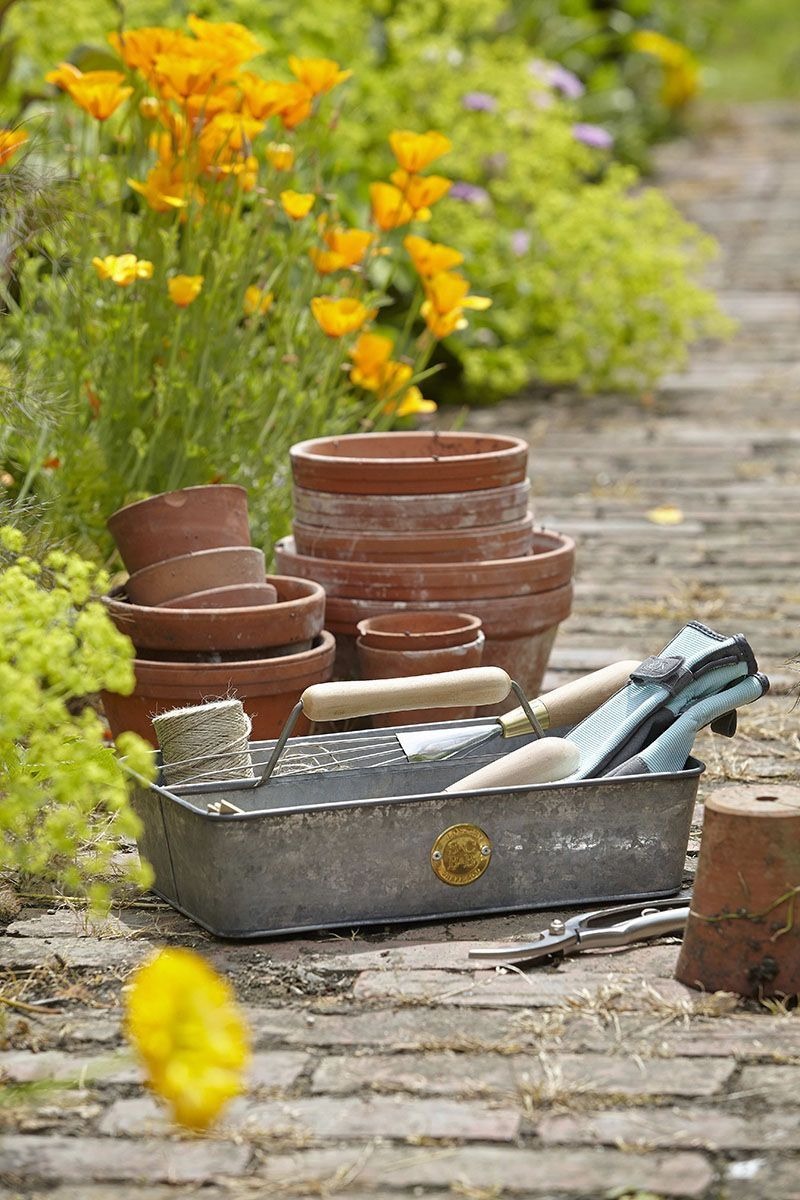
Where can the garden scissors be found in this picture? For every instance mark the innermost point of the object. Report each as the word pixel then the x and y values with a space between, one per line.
pixel 593 931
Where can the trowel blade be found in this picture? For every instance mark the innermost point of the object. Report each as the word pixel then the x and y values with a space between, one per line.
pixel 431 745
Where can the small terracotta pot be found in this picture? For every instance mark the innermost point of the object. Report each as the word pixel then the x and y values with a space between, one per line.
pixel 195 572
pixel 239 595
pixel 390 664
pixel 173 523
pixel 743 931
pixel 409 514
pixel 455 545
pixel 297 617
pixel 408 463
pixel 268 689
pixel 418 630
pixel 549 566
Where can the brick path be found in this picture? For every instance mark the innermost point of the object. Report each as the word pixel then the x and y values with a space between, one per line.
pixel 386 1065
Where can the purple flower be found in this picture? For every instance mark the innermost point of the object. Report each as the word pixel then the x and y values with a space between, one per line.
pixel 520 242
pixel 479 101
pixel 470 193
pixel 565 81
pixel 593 135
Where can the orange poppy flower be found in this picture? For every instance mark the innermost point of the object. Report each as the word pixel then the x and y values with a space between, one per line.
pixel 166 187
pixel 237 42
pixel 99 93
pixel 257 301
pixel 10 141
pixel 421 191
pixel 266 98
pixel 184 289
pixel 346 248
pixel 446 298
pixel 339 317
pixel 65 74
pixel 139 48
pixel 373 367
pixel 415 151
pixel 280 156
pixel 123 269
pixel 389 206
pixel 297 204
pixel 431 258
pixel 319 75
pixel 411 404
pixel 225 134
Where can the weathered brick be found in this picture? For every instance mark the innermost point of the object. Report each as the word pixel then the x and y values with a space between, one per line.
pixel 779 1179
pixel 548 1074
pixel 37 1159
pixel 529 1172
pixel 77 952
pixel 745 1036
pixel 657 961
pixel 775 1085
pixel 687 1128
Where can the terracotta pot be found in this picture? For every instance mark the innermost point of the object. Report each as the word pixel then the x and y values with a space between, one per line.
pixel 409 463
pixel 198 571
pixel 408 514
pixel 297 617
pixel 268 689
pixel 390 664
pixel 173 523
pixel 239 595
pixel 520 631
pixel 743 933
pixel 549 566
pixel 454 545
pixel 414 630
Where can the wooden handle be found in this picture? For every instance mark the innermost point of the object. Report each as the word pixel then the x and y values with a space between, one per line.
pixel 336 701
pixel 570 703
pixel 542 761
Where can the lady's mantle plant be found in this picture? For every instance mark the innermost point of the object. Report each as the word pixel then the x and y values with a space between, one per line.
pixel 63 797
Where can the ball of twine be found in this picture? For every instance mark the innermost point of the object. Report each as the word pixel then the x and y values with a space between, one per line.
pixel 205 742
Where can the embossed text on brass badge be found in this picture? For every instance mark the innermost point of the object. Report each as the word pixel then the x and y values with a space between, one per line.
pixel 461 854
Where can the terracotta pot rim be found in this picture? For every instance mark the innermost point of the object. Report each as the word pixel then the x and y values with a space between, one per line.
pixel 245 561
pixel 310 448
pixel 325 643
pixel 218 591
pixel 379 633
pixel 399 546
pixel 126 606
pixel 418 656
pixel 138 505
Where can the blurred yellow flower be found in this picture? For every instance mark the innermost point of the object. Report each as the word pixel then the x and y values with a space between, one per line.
pixel 421 191
pixel 681 79
pixel 374 369
pixel 446 298
pixel 346 248
pixel 10 141
pixel 257 301
pixel 184 289
pixel 181 1018
pixel 266 98
pixel 297 204
pixel 238 43
pixel 412 403
pixel 317 74
pixel 99 93
pixel 226 132
pixel 389 206
pixel 280 156
pixel 415 151
pixel 431 258
pixel 149 108
pixel 167 188
pixel 64 74
pixel 123 269
pixel 339 317
pixel 139 48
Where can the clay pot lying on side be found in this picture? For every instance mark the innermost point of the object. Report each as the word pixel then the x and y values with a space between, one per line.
pixel 297 616
pixel 173 523
pixel 408 514
pixel 408 463
pixel 390 664
pixel 195 572
pixel 268 689
pixel 239 595
pixel 415 630
pixel 511 540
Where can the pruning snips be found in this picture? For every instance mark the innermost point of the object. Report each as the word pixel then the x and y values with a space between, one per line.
pixel 596 930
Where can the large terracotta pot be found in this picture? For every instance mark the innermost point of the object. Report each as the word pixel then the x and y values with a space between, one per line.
pixel 198 571
pixel 407 514
pixel 297 616
pixel 549 566
pixel 520 631
pixel 268 688
pixel 418 630
pixel 408 463
pixel 452 545
pixel 173 523
pixel 390 664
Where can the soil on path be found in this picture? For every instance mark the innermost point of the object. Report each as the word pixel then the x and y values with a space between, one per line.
pixel 385 1065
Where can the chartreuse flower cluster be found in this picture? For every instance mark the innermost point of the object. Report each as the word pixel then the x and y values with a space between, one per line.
pixel 181 1019
pixel 63 796
pixel 211 303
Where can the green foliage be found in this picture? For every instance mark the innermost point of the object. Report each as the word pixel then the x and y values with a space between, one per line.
pixel 63 797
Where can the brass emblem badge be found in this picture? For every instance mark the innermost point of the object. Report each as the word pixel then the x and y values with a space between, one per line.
pixel 461 854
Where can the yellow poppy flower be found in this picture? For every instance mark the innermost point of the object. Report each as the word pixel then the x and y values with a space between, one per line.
pixel 415 151
pixel 411 404
pixel 65 74
pixel 431 258
pixel 339 317
pixel 166 187
pixel 446 298
pixel 257 302
pixel 184 289
pixel 123 269
pixel 346 248
pixel 389 206
pixel 238 42
pixel 10 142
pixel 266 98
pixel 681 70
pixel 280 156
pixel 441 325
pixel 369 355
pixel 99 97
pixel 421 191
pixel 317 74
pixel 149 108
pixel 139 48
pixel 182 1019
pixel 297 204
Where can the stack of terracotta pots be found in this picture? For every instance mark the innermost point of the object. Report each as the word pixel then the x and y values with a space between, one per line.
pixel 394 521
pixel 204 618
